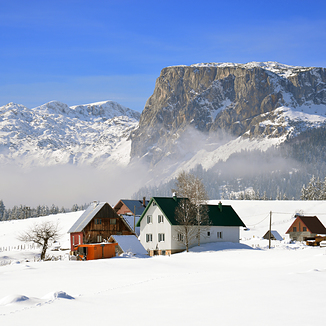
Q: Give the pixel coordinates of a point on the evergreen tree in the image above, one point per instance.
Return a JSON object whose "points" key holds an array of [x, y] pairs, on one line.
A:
{"points": [[2, 210]]}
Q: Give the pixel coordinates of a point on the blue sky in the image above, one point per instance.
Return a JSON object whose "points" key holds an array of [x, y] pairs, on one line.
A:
{"points": [[78, 52]]}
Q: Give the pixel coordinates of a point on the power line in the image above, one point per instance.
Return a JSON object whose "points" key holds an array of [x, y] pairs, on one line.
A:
{"points": [[260, 221]]}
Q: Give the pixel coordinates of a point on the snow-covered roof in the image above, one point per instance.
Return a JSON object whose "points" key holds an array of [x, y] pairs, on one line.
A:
{"points": [[129, 243], [130, 221], [86, 217], [275, 234]]}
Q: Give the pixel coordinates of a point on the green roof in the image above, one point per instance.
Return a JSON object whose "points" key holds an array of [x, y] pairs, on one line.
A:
{"points": [[225, 217]]}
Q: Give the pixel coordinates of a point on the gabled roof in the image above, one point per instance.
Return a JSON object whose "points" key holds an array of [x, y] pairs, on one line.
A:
{"points": [[129, 243], [274, 234], [129, 219], [224, 217], [86, 217], [312, 223], [133, 205]]}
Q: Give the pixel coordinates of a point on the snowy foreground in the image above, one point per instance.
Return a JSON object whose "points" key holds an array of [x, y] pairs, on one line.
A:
{"points": [[225, 284]]}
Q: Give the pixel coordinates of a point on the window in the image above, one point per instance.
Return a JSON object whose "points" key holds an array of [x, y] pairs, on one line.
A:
{"points": [[149, 219], [149, 237], [219, 235], [160, 219], [294, 229], [79, 240], [99, 238], [208, 233], [180, 237], [304, 229], [98, 221], [113, 221], [161, 237]]}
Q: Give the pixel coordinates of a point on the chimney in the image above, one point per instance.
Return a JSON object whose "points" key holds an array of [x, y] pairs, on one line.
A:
{"points": [[174, 196], [144, 201]]}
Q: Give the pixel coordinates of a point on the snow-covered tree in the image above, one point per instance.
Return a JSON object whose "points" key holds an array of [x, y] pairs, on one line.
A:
{"points": [[314, 190]]}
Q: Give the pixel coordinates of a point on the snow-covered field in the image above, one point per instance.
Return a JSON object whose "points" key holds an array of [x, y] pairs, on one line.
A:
{"points": [[226, 284]]}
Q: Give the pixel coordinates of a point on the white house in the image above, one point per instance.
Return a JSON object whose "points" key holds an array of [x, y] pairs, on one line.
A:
{"points": [[160, 232]]}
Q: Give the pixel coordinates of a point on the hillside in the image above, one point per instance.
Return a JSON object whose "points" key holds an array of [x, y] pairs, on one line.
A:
{"points": [[240, 284]]}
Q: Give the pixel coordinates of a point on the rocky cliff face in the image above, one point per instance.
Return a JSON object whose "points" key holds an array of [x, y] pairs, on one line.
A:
{"points": [[243, 100]]}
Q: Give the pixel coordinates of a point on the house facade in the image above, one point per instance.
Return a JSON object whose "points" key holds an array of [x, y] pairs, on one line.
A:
{"points": [[305, 227], [98, 222], [160, 232]]}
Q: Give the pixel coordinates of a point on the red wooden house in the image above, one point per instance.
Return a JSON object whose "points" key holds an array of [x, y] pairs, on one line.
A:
{"points": [[97, 223], [305, 227]]}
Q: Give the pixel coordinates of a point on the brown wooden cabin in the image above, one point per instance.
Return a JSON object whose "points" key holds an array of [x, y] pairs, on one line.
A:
{"points": [[96, 224], [305, 227]]}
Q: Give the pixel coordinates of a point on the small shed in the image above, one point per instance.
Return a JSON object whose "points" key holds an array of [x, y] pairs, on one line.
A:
{"points": [[95, 251], [274, 235], [127, 244]]}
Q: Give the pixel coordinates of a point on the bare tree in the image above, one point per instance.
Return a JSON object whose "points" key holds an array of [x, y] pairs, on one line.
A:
{"points": [[185, 215], [191, 187], [42, 234]]}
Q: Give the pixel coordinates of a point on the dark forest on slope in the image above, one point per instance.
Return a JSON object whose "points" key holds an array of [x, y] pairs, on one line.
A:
{"points": [[278, 173]]}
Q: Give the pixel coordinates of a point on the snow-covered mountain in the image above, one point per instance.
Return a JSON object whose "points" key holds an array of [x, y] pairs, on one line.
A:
{"points": [[53, 133], [198, 114], [203, 113]]}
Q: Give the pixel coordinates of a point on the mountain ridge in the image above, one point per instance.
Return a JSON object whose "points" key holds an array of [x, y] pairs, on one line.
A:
{"points": [[198, 115], [252, 101], [53, 133]]}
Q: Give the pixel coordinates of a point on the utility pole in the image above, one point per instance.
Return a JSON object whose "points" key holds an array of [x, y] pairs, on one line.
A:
{"points": [[135, 219], [270, 229]]}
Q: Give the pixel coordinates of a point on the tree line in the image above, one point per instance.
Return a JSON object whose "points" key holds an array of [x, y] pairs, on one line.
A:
{"points": [[23, 212]]}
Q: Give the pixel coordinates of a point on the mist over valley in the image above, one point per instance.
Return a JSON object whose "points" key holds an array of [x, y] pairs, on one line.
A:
{"points": [[240, 127]]}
